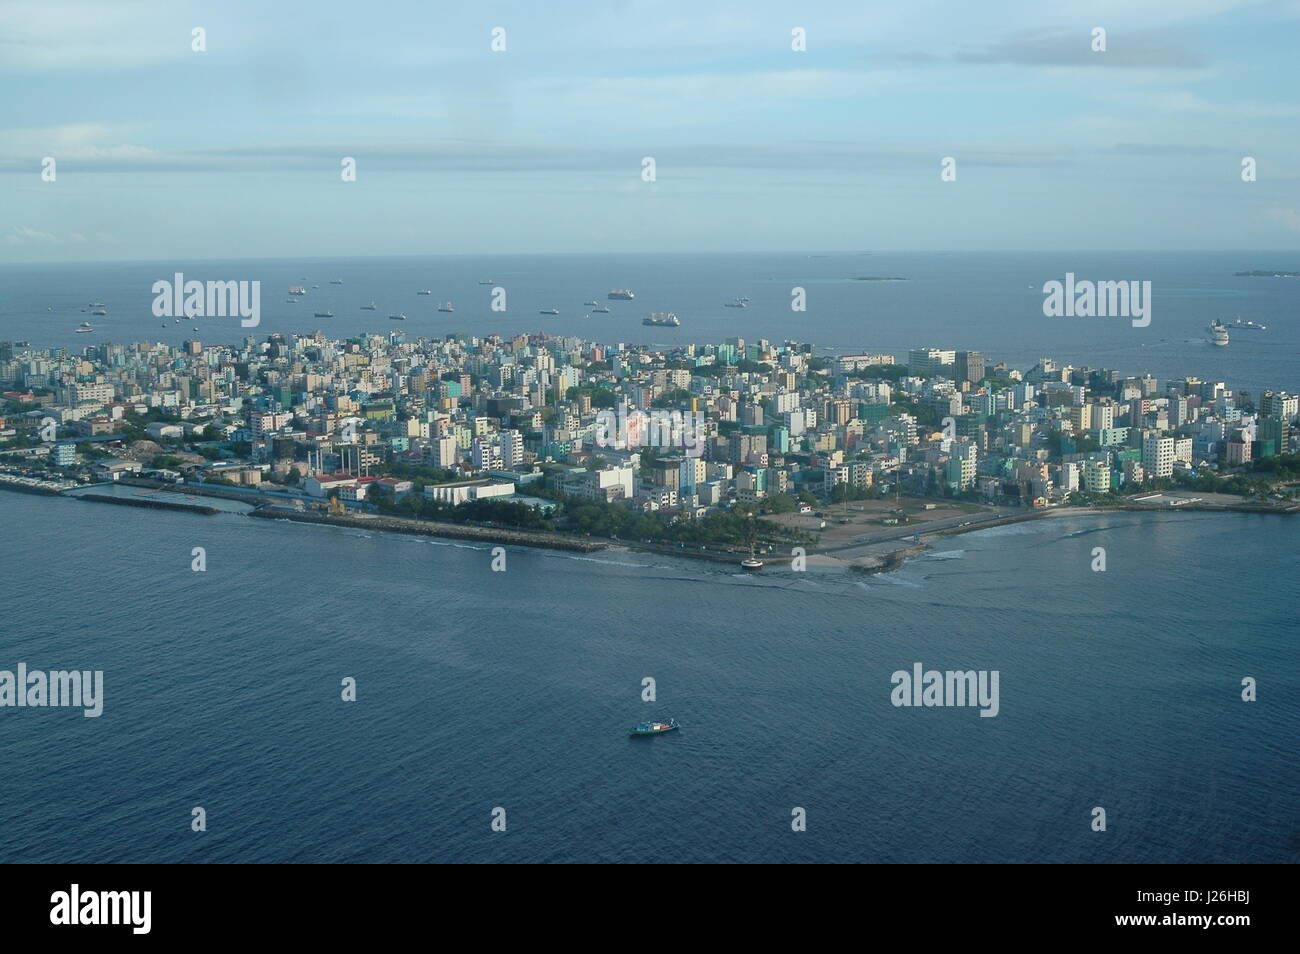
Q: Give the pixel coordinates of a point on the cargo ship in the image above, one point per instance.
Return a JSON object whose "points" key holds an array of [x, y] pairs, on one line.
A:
{"points": [[653, 728], [370, 307], [324, 314], [602, 310], [425, 291], [396, 317], [621, 294], [1252, 325], [297, 290], [738, 303], [662, 319], [549, 311], [446, 306]]}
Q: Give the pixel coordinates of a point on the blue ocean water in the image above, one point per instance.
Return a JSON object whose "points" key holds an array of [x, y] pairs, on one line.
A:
{"points": [[990, 302], [479, 689]]}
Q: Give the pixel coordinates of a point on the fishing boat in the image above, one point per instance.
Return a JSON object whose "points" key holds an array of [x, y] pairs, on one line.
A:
{"points": [[653, 728]]}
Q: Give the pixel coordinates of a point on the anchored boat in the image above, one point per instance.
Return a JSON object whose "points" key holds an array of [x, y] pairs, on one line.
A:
{"points": [[653, 728]]}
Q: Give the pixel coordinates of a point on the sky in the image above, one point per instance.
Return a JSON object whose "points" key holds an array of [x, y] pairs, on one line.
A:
{"points": [[162, 152]]}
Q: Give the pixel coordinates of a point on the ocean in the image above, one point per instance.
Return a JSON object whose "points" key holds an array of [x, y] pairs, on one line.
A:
{"points": [[479, 690], [990, 302]]}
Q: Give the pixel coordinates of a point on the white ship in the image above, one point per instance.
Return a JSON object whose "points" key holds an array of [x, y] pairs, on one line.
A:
{"points": [[662, 319], [1218, 333], [621, 294], [446, 306], [297, 290]]}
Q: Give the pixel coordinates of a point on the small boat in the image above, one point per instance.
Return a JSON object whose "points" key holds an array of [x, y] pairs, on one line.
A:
{"points": [[396, 317], [323, 314], [549, 311], [653, 728], [751, 562], [446, 306], [425, 291], [370, 307], [315, 286]]}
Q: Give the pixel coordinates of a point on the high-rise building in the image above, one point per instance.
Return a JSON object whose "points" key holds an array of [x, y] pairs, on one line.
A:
{"points": [[969, 366], [1158, 456]]}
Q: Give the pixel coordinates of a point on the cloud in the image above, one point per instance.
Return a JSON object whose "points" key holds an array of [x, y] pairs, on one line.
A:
{"points": [[1287, 218], [24, 235], [1056, 47]]}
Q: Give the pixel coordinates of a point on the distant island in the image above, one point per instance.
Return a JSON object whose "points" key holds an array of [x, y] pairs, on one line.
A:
{"points": [[1259, 274], [873, 278]]}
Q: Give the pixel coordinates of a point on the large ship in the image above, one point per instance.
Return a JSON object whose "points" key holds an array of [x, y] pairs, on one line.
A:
{"points": [[425, 291], [621, 294], [370, 307], [446, 306], [84, 328], [324, 314], [1252, 325], [662, 319], [1218, 333], [397, 317], [653, 728], [297, 290], [738, 303], [602, 310]]}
